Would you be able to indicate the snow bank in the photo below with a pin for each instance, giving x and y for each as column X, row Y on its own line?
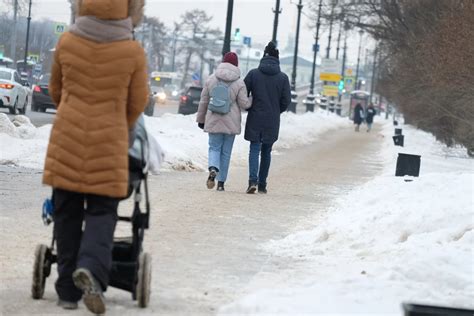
column 185, row 145
column 387, row 242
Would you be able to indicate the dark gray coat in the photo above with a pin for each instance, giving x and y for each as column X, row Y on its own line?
column 270, row 89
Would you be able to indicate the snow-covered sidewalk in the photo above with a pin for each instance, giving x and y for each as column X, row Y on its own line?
column 386, row 242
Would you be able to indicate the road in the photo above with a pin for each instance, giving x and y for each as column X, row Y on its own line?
column 206, row 245
column 39, row 119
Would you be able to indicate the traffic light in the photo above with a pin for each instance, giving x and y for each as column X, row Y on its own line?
column 237, row 34
column 341, row 85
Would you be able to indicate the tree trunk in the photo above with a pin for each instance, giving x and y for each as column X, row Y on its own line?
column 186, row 68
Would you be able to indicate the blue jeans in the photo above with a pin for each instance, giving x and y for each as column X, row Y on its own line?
column 220, row 150
column 258, row 168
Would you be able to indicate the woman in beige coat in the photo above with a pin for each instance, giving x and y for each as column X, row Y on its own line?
column 99, row 86
column 222, row 128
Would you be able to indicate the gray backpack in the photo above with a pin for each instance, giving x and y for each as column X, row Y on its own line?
column 220, row 99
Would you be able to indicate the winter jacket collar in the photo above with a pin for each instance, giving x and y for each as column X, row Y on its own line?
column 270, row 65
column 103, row 31
column 227, row 72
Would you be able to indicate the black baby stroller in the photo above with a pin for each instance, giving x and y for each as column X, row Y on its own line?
column 131, row 268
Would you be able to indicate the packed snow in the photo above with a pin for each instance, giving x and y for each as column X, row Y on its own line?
column 184, row 144
column 387, row 242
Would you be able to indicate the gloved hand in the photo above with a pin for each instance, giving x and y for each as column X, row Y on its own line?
column 201, row 125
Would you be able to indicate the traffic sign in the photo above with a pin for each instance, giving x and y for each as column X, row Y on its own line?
column 196, row 76
column 315, row 48
column 330, row 91
column 332, row 66
column 33, row 58
column 330, row 77
column 60, row 28
column 247, row 41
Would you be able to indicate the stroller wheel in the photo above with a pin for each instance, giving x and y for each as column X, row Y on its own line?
column 144, row 280
column 40, row 271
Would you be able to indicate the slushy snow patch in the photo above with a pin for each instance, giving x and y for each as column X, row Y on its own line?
column 184, row 144
column 386, row 242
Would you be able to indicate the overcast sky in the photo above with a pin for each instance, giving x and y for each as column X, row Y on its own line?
column 253, row 17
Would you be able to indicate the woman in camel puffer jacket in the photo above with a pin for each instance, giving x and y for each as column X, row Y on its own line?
column 99, row 85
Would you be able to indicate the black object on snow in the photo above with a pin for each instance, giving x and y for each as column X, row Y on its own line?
column 399, row 140
column 424, row 310
column 408, row 165
column 398, row 131
column 395, row 122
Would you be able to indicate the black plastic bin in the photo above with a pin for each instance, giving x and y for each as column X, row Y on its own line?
column 399, row 140
column 423, row 310
column 398, row 131
column 408, row 165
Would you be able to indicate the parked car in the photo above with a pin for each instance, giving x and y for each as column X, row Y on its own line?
column 189, row 100
column 172, row 91
column 14, row 92
column 41, row 98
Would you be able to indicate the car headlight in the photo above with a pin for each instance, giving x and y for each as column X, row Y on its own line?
column 174, row 93
column 161, row 96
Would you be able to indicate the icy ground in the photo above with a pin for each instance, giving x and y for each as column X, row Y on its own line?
column 386, row 242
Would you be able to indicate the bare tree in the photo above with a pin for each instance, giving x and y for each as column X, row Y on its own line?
column 195, row 26
column 426, row 69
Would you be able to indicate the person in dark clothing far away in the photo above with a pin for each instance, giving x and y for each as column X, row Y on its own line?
column 359, row 115
column 370, row 113
column 270, row 89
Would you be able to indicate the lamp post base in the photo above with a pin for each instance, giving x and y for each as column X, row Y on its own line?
column 294, row 102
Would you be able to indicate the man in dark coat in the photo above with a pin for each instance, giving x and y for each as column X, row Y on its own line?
column 270, row 89
column 359, row 115
column 370, row 113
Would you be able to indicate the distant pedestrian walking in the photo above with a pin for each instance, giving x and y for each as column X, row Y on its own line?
column 99, row 86
column 370, row 113
column 359, row 116
column 270, row 89
column 223, row 97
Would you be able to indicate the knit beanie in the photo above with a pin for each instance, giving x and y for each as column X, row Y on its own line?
column 231, row 58
column 271, row 50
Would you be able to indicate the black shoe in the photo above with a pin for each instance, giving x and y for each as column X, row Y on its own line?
column 92, row 292
column 262, row 188
column 220, row 186
column 212, row 177
column 252, row 187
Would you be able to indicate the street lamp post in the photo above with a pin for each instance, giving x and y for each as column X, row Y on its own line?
column 310, row 97
column 338, row 40
column 27, row 33
column 15, row 28
column 343, row 70
column 331, row 20
column 277, row 12
column 228, row 27
column 294, row 96
column 372, row 83
column 357, row 85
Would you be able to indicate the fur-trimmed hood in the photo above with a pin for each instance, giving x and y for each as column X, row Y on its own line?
column 112, row 9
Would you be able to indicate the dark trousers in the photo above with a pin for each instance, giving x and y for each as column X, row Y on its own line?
column 84, row 227
column 260, row 157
